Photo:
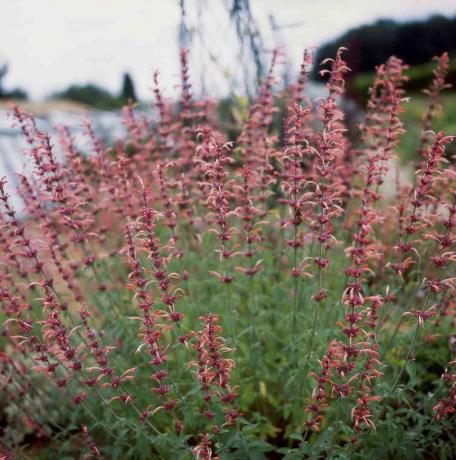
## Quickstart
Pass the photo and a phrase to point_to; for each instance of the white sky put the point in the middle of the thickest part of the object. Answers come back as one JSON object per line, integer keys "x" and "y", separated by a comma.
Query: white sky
{"x": 50, "y": 44}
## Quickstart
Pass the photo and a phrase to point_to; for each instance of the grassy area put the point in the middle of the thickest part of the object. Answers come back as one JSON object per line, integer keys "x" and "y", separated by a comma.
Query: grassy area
{"x": 444, "y": 119}
{"x": 419, "y": 78}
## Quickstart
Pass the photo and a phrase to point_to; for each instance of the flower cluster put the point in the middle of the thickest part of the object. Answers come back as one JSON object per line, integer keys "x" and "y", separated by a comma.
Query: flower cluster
{"x": 213, "y": 372}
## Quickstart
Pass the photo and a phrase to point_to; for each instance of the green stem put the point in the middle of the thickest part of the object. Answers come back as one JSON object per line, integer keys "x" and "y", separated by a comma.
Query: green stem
{"x": 336, "y": 430}
{"x": 391, "y": 340}
{"x": 401, "y": 372}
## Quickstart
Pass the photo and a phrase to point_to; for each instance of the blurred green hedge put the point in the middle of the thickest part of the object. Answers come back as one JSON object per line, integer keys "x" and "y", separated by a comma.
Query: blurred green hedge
{"x": 420, "y": 77}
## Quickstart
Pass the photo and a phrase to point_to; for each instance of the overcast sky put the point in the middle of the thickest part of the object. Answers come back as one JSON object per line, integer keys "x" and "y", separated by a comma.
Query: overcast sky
{"x": 49, "y": 44}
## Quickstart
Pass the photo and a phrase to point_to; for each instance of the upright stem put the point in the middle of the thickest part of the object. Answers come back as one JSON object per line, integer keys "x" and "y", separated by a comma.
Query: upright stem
{"x": 410, "y": 351}
{"x": 315, "y": 320}
{"x": 295, "y": 296}
{"x": 336, "y": 430}
{"x": 229, "y": 301}
{"x": 12, "y": 449}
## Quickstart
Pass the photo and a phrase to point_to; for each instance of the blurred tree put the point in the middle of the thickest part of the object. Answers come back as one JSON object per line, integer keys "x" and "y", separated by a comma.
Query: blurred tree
{"x": 3, "y": 72}
{"x": 128, "y": 89}
{"x": 98, "y": 97}
{"x": 370, "y": 45}
{"x": 16, "y": 93}
{"x": 90, "y": 94}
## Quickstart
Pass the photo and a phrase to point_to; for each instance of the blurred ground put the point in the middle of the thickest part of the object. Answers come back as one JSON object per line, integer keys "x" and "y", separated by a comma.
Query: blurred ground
{"x": 45, "y": 107}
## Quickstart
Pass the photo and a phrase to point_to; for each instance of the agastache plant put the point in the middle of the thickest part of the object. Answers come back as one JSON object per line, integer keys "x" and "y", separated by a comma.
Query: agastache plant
{"x": 251, "y": 279}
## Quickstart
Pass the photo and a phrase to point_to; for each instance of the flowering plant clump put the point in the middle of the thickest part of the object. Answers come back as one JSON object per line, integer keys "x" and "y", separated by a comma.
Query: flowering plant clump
{"x": 184, "y": 294}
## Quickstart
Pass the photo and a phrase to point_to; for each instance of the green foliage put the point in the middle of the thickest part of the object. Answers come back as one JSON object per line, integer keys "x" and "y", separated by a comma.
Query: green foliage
{"x": 91, "y": 95}
{"x": 95, "y": 96}
{"x": 420, "y": 77}
{"x": 445, "y": 119}
{"x": 272, "y": 393}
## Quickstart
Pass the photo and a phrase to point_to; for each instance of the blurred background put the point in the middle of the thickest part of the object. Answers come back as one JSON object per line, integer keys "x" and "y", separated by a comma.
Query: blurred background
{"x": 66, "y": 60}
